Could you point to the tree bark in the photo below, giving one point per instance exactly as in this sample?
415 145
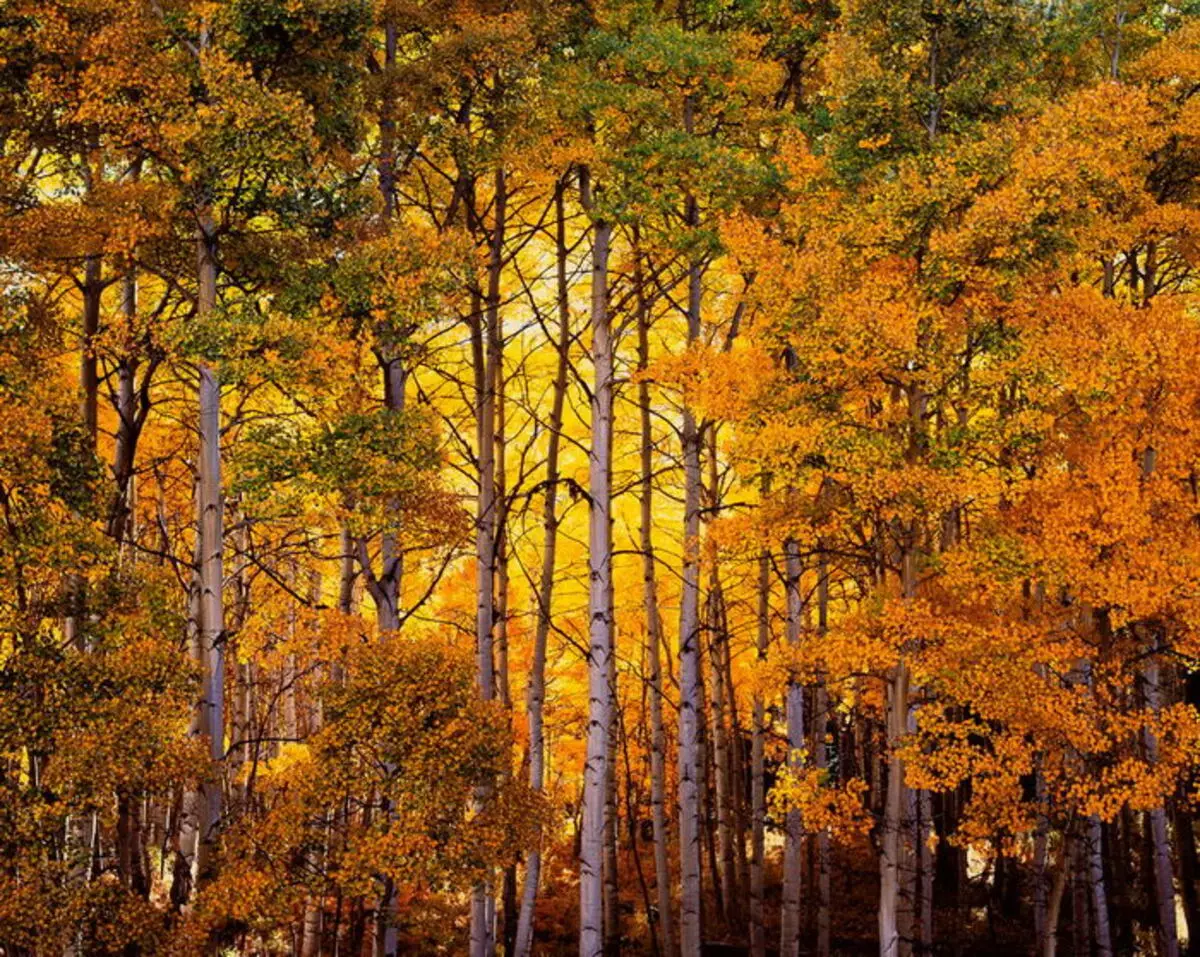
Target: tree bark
654 638
211 534
591 863
891 839
721 698
758 803
690 768
1156 824
1102 934
821 757
482 903
1049 943
536 696
793 824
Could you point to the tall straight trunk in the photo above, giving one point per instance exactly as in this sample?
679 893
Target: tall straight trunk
658 775
923 904
600 704
203 806
612 884
1048 945
789 945
1156 825
691 768
722 700
821 758
1156 818
895 907
758 803
315 857
1097 890
482 904
1189 869
1092 847
740 776
536 695
612 820
1081 929
1164 882
212 611
891 844
1041 854
501 623
186 816
509 883
707 818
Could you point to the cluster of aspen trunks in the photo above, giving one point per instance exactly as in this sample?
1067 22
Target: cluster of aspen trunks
507 476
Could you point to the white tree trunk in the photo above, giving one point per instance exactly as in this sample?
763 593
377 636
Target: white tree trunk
891 843
690 768
212 612
600 704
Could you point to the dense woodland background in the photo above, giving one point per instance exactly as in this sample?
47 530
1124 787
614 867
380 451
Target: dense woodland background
599 476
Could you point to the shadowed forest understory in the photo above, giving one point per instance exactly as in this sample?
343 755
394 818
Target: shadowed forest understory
599 476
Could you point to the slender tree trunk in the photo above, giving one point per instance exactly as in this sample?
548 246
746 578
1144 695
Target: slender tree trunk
509 894
923 909
537 675
1049 944
1156 824
600 703
612 884
211 534
722 700
1189 869
690 768
1102 934
658 775
758 804
821 756
482 902
1081 931
1041 844
793 825
893 820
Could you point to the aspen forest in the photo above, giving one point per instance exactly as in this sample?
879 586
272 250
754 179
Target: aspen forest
662 478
